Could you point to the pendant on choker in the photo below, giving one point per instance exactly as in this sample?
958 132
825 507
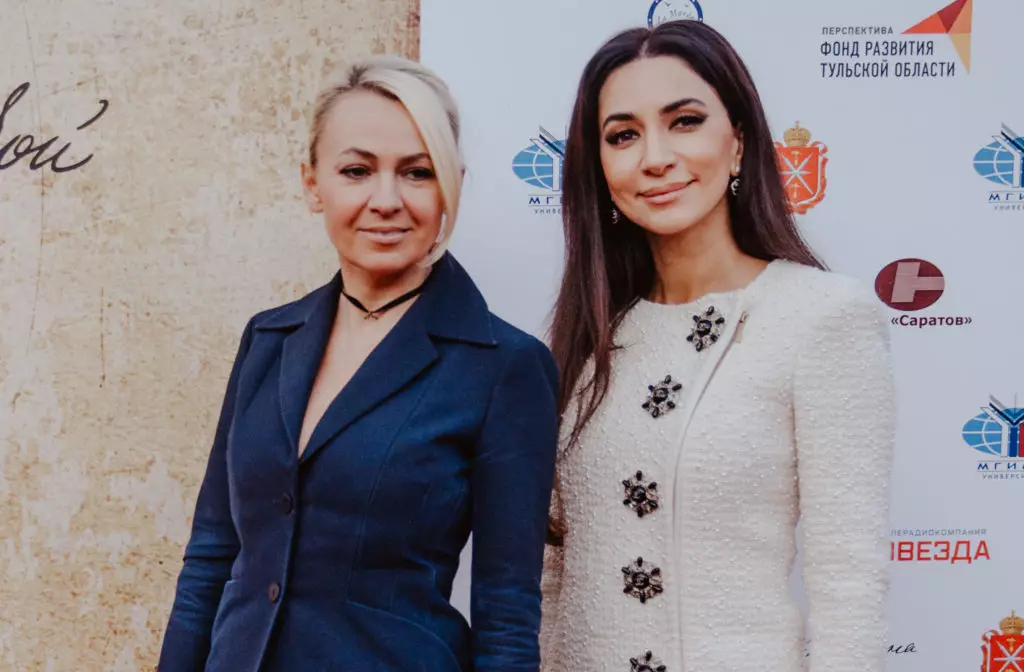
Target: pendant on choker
707 329
376 313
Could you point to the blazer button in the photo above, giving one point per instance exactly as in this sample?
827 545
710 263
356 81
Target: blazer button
274 592
287 504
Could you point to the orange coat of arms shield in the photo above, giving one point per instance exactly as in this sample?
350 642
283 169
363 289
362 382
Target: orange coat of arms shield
1003 651
802 164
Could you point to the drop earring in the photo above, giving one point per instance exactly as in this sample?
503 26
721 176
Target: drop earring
615 215
734 183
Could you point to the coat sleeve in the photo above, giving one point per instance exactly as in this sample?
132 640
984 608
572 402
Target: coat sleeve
210 552
512 477
845 415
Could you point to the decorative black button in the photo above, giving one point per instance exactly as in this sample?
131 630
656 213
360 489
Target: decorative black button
642 581
707 328
661 397
274 592
641 497
287 504
647 663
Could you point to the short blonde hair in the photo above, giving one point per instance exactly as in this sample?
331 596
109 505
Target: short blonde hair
428 101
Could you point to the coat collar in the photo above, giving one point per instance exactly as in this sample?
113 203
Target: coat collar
454 308
450 307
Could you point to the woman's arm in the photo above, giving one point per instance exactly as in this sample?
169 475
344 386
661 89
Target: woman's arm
210 552
844 414
551 579
513 471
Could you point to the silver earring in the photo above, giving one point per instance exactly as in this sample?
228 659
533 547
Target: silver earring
615 215
734 185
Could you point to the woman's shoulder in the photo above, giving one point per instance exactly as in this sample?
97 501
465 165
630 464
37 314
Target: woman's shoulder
813 294
294 312
517 342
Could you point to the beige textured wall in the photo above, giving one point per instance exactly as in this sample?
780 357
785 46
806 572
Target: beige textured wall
124 284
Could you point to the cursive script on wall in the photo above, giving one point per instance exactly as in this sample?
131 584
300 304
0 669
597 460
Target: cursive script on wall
902 649
894 649
24 145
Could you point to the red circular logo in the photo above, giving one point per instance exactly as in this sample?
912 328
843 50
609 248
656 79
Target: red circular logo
910 284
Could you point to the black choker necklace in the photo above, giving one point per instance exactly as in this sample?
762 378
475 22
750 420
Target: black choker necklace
375 314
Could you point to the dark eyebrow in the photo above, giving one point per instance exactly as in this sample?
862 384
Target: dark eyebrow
668 109
682 102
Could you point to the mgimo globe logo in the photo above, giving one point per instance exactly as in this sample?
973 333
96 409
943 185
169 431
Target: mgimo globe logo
539 165
1001 162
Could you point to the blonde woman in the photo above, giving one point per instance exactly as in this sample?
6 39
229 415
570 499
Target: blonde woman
370 426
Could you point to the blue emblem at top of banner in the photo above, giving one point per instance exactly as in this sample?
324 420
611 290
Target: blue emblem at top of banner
672 10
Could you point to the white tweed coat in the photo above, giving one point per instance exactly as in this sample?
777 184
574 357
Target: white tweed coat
789 416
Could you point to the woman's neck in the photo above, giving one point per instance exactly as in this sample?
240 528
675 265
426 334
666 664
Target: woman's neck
374 290
703 258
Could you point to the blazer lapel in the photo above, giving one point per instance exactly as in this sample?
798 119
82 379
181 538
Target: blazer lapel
400 357
301 354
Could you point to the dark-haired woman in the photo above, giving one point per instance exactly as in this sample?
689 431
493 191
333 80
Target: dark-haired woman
717 386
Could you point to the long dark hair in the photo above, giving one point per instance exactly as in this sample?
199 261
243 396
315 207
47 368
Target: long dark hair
609 266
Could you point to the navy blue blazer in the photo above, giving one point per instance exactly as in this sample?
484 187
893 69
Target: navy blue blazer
344 559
